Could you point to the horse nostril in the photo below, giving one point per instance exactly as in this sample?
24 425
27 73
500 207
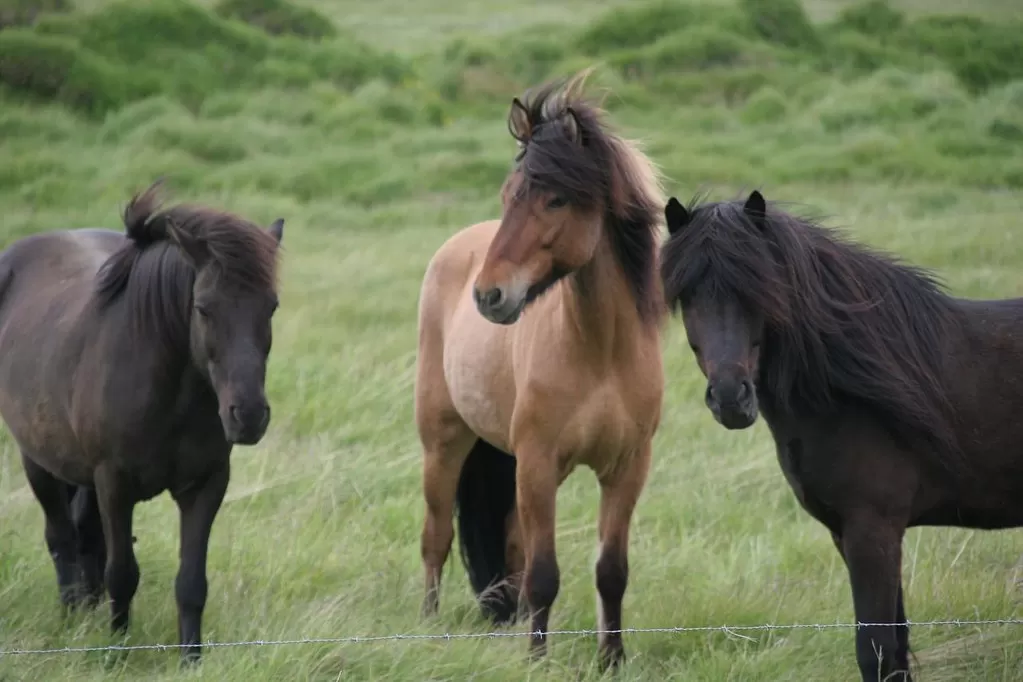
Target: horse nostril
711 395
743 393
495 297
236 414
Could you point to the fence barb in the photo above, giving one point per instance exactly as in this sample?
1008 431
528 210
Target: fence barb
450 636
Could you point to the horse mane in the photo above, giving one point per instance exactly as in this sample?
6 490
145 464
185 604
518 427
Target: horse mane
155 276
843 322
569 149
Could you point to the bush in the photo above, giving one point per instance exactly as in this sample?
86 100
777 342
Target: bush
58 69
783 22
637 27
25 12
872 18
766 105
981 54
126 51
891 97
278 17
697 49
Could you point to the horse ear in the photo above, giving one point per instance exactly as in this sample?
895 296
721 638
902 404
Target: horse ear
574 127
675 215
755 209
277 229
520 125
193 247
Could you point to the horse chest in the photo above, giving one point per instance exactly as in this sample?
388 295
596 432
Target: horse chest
481 390
800 474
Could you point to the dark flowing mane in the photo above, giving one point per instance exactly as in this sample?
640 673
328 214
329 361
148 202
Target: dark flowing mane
156 277
843 322
567 148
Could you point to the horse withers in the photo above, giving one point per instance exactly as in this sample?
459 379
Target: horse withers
891 403
131 364
539 350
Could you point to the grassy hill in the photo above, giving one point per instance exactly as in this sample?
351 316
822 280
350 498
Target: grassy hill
377 130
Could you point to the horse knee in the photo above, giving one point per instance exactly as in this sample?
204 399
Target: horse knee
543 580
122 578
612 576
190 589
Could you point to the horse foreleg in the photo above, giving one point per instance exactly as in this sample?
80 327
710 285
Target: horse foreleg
122 570
902 631
536 485
618 497
92 554
198 506
872 548
445 447
60 532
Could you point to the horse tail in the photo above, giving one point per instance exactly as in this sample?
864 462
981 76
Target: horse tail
484 500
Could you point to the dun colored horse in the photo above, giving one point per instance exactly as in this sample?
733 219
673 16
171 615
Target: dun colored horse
539 339
129 365
892 404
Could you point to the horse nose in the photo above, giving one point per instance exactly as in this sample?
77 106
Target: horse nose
256 414
490 299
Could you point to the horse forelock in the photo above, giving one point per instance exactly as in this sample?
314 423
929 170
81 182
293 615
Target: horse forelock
155 277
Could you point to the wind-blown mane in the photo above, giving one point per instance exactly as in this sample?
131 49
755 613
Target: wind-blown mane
567 148
156 277
843 322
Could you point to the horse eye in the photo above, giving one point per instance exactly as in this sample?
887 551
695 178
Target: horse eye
203 313
556 202
693 347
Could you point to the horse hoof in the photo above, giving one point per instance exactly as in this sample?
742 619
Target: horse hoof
191 656
611 659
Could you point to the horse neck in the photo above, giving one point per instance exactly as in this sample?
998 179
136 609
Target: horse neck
602 308
151 313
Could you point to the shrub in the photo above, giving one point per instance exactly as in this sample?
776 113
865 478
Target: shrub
58 69
25 12
636 27
981 54
873 18
783 22
278 17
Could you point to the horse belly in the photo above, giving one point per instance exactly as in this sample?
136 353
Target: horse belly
478 372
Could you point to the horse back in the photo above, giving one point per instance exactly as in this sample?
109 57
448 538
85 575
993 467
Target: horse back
45 321
986 382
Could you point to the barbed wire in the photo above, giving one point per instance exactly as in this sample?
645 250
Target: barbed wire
734 630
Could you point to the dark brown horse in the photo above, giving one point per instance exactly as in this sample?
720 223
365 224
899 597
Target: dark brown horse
539 338
130 365
892 404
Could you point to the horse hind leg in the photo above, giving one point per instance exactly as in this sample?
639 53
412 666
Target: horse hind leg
61 540
487 526
92 551
619 495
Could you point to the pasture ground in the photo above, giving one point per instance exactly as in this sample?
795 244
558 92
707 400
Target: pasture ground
375 152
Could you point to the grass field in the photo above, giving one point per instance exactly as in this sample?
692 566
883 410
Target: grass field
906 129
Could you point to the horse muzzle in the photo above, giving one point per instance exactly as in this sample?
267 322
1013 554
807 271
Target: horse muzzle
500 305
733 403
246 423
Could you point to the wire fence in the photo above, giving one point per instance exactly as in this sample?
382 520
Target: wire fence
732 630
